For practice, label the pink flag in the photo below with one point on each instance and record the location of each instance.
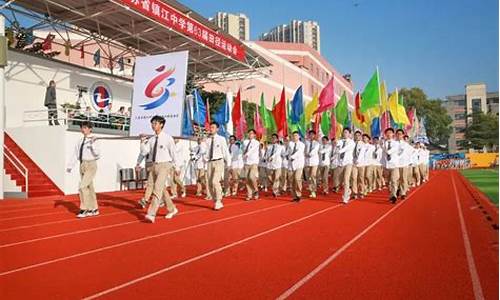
(411, 116)
(259, 129)
(326, 97)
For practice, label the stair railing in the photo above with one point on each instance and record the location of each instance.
(20, 167)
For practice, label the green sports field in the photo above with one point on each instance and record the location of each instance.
(486, 180)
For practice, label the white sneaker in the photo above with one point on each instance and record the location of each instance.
(183, 195)
(346, 196)
(149, 218)
(171, 214)
(93, 213)
(83, 214)
(313, 194)
(218, 205)
(161, 204)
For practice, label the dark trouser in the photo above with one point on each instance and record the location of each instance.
(52, 114)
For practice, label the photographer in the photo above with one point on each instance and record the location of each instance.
(50, 102)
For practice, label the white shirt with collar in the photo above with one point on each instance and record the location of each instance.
(236, 156)
(165, 149)
(198, 154)
(220, 149)
(251, 151)
(335, 160)
(405, 151)
(284, 157)
(356, 153)
(262, 158)
(346, 151)
(369, 150)
(273, 156)
(312, 153)
(325, 152)
(296, 159)
(361, 149)
(414, 157)
(91, 151)
(377, 155)
(391, 153)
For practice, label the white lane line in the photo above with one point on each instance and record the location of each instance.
(332, 257)
(113, 246)
(476, 283)
(206, 254)
(100, 228)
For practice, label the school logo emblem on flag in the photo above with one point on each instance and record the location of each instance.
(100, 96)
(156, 90)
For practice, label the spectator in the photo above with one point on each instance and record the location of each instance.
(50, 102)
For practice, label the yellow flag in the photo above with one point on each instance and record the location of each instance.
(383, 97)
(398, 111)
(311, 107)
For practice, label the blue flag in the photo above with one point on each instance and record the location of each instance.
(297, 106)
(200, 110)
(187, 126)
(97, 57)
(375, 127)
(222, 118)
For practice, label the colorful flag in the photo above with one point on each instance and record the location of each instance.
(326, 97)
(342, 110)
(279, 113)
(358, 119)
(375, 127)
(266, 117)
(310, 109)
(297, 106)
(97, 57)
(259, 129)
(187, 125)
(371, 94)
(326, 123)
(82, 51)
(200, 110)
(236, 115)
(397, 110)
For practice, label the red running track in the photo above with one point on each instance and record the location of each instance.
(439, 243)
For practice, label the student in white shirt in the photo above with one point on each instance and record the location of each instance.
(346, 151)
(391, 152)
(234, 171)
(274, 161)
(161, 148)
(325, 151)
(198, 158)
(358, 168)
(415, 171)
(149, 182)
(335, 166)
(369, 164)
(217, 154)
(296, 163)
(404, 162)
(181, 164)
(284, 166)
(378, 174)
(311, 162)
(263, 167)
(251, 162)
(86, 152)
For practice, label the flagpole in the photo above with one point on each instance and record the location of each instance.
(379, 103)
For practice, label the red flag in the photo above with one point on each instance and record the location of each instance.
(357, 103)
(385, 122)
(207, 119)
(279, 113)
(333, 128)
(411, 117)
(259, 129)
(317, 121)
(326, 97)
(82, 52)
(236, 116)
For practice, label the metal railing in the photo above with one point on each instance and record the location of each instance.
(20, 167)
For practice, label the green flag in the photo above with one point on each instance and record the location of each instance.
(342, 111)
(267, 117)
(371, 95)
(326, 122)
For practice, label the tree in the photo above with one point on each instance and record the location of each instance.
(215, 98)
(438, 123)
(482, 132)
(249, 109)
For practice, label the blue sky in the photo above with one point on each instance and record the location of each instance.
(438, 45)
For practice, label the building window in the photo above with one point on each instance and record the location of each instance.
(459, 116)
(459, 102)
(476, 105)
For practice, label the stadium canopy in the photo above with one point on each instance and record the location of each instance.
(148, 27)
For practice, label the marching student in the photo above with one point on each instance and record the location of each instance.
(284, 166)
(346, 153)
(335, 165)
(404, 162)
(391, 152)
(274, 161)
(312, 162)
(161, 148)
(251, 148)
(180, 168)
(234, 171)
(378, 172)
(87, 153)
(217, 154)
(325, 151)
(198, 157)
(262, 178)
(356, 167)
(362, 164)
(296, 163)
(143, 202)
(369, 164)
(415, 171)
(424, 163)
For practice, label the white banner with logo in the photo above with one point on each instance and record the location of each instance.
(159, 87)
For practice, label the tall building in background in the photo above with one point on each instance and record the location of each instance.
(461, 107)
(237, 25)
(305, 32)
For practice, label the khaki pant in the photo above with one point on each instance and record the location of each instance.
(215, 174)
(274, 176)
(88, 199)
(161, 172)
(403, 180)
(324, 171)
(354, 180)
(362, 180)
(177, 181)
(232, 180)
(284, 179)
(251, 175)
(378, 177)
(393, 181)
(296, 182)
(312, 178)
(150, 183)
(201, 180)
(262, 178)
(370, 178)
(416, 174)
(423, 173)
(337, 177)
(346, 178)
